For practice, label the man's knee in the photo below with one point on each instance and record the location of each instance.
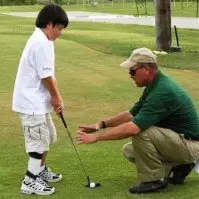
(145, 135)
(128, 152)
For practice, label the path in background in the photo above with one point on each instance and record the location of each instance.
(179, 22)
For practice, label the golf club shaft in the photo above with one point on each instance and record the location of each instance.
(65, 125)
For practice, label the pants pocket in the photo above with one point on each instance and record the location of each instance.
(35, 132)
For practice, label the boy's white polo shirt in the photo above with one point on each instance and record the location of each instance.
(37, 62)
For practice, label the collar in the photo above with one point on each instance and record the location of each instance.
(41, 34)
(155, 81)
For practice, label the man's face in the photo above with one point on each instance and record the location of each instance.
(54, 31)
(139, 74)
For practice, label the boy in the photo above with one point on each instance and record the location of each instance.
(35, 94)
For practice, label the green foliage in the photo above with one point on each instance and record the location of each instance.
(18, 2)
(44, 2)
(31, 2)
(12, 2)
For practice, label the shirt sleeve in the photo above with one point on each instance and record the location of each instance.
(154, 110)
(44, 61)
(135, 109)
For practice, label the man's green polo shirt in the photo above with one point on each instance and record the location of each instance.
(165, 104)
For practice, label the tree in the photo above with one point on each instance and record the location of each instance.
(163, 24)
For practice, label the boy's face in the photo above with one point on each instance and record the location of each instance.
(53, 32)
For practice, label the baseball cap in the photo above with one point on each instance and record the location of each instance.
(139, 55)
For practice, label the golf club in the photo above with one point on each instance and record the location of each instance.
(90, 184)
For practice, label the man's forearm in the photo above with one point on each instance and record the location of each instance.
(123, 131)
(117, 120)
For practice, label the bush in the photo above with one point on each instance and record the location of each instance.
(44, 2)
(17, 2)
(26, 2)
(11, 2)
(30, 2)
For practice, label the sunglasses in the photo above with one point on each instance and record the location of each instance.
(133, 72)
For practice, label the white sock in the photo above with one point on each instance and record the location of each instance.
(34, 165)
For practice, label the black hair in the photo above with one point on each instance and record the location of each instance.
(51, 13)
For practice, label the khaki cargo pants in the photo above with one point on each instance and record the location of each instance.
(156, 150)
(39, 132)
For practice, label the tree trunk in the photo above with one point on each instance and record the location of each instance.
(163, 24)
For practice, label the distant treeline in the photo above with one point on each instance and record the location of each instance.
(62, 2)
(30, 2)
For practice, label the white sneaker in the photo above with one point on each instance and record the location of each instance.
(31, 186)
(44, 183)
(49, 176)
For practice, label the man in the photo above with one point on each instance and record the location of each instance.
(35, 94)
(163, 124)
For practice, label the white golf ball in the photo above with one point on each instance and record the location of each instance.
(92, 185)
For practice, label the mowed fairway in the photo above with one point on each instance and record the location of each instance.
(93, 87)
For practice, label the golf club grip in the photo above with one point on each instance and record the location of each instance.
(63, 120)
(65, 125)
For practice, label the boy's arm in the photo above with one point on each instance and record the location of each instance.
(56, 99)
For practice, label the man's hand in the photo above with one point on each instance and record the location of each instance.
(84, 138)
(89, 128)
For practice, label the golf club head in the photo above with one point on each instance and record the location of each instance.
(97, 184)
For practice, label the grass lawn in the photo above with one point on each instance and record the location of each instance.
(93, 87)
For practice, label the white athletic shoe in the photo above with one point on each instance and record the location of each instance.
(43, 182)
(48, 176)
(31, 186)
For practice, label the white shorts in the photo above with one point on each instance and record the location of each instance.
(39, 132)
